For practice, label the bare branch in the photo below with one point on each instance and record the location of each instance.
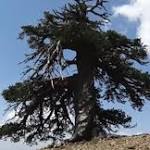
(97, 4)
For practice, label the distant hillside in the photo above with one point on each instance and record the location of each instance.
(138, 142)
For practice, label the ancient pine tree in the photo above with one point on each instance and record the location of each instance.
(51, 103)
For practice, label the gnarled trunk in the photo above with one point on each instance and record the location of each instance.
(84, 102)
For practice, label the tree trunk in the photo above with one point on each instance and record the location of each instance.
(84, 102)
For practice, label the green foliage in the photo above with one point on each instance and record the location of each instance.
(46, 101)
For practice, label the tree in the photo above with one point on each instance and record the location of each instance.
(47, 101)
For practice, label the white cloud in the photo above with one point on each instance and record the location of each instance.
(137, 10)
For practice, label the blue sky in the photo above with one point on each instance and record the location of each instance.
(14, 14)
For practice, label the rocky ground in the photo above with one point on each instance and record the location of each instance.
(138, 142)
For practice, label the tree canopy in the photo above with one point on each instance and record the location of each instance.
(51, 104)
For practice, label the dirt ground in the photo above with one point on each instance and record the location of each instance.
(138, 142)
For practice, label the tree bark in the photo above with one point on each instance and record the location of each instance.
(84, 102)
